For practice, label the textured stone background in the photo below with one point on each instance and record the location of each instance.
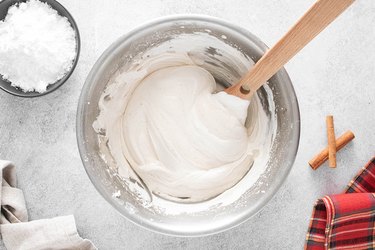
(334, 74)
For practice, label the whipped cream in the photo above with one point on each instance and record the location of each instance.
(162, 123)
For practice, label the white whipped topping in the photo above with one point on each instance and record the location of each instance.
(183, 140)
(164, 125)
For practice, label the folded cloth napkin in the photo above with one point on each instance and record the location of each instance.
(19, 234)
(346, 221)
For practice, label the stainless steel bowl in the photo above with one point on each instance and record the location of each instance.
(6, 85)
(215, 219)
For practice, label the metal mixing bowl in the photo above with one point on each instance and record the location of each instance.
(215, 219)
(5, 85)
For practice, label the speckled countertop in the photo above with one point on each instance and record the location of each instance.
(334, 74)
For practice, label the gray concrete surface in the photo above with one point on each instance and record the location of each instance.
(334, 74)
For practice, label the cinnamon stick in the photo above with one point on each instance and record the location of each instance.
(331, 141)
(322, 157)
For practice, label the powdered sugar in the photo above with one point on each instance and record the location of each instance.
(37, 46)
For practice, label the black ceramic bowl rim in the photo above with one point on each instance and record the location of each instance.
(5, 85)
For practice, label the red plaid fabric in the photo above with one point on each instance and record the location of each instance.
(346, 221)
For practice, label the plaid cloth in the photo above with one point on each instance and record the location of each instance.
(346, 221)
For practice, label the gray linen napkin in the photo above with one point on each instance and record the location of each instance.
(19, 234)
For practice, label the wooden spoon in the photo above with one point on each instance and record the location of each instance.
(319, 16)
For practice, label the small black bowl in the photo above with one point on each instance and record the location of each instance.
(5, 85)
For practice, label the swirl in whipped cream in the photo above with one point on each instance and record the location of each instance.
(165, 124)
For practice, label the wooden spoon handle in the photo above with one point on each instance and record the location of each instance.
(319, 16)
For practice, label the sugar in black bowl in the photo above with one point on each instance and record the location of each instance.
(40, 46)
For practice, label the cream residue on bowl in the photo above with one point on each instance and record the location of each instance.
(171, 138)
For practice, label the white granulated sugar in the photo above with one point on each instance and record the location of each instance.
(37, 46)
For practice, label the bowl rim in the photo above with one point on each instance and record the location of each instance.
(51, 87)
(81, 145)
